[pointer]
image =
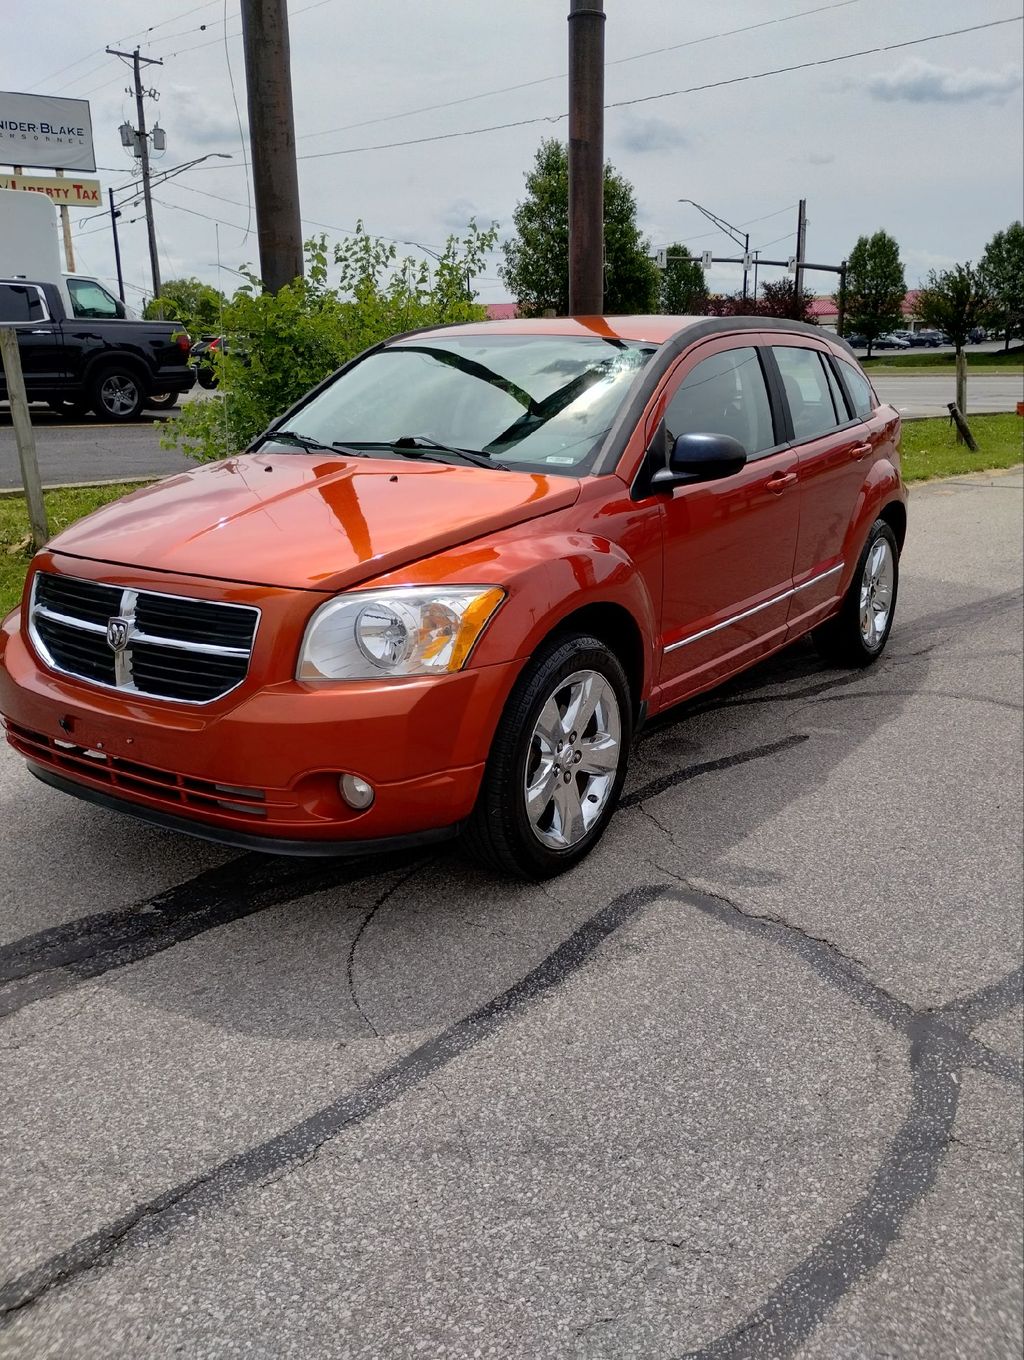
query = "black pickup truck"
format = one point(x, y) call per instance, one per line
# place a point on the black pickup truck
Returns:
point(116, 366)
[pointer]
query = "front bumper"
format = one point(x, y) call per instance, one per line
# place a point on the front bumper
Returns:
point(261, 768)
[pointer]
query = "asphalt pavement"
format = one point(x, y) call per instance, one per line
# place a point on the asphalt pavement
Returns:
point(746, 1083)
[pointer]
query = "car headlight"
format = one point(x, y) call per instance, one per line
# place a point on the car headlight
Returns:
point(406, 630)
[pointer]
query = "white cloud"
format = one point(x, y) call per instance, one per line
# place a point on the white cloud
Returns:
point(650, 134)
point(921, 82)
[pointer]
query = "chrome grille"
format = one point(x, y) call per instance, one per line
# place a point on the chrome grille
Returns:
point(140, 641)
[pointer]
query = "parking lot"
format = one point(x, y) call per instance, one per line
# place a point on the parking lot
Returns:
point(746, 1083)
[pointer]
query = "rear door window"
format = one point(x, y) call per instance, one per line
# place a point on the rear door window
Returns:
point(859, 389)
point(20, 302)
point(725, 394)
point(812, 407)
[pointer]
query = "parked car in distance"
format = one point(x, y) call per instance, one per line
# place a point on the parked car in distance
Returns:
point(445, 590)
point(891, 341)
point(115, 366)
point(202, 360)
point(925, 339)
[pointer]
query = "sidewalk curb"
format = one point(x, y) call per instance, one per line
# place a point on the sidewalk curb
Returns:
point(8, 491)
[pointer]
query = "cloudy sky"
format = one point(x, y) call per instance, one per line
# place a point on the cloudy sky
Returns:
point(925, 140)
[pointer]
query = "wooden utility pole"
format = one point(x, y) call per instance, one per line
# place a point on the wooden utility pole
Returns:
point(586, 157)
point(138, 62)
point(65, 226)
point(24, 435)
point(275, 174)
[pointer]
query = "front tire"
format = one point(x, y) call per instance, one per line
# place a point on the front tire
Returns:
point(116, 393)
point(858, 633)
point(162, 401)
point(557, 763)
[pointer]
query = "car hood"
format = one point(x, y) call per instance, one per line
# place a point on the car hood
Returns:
point(308, 522)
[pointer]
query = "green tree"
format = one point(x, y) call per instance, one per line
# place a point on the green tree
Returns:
point(778, 298)
point(955, 301)
point(536, 267)
point(684, 289)
point(1003, 267)
point(875, 287)
point(279, 345)
point(195, 304)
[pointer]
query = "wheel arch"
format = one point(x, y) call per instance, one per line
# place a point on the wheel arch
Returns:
point(119, 359)
point(615, 626)
point(895, 515)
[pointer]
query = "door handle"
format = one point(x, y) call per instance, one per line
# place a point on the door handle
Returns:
point(860, 451)
point(780, 481)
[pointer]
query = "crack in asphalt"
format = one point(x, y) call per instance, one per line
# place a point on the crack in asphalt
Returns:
point(41, 966)
point(284, 1151)
point(799, 1303)
point(669, 781)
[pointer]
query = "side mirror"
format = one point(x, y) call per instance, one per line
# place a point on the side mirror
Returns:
point(701, 458)
point(119, 309)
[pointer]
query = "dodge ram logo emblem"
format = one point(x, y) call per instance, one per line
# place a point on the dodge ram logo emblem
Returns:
point(117, 634)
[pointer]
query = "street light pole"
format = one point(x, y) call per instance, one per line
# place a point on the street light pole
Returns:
point(731, 231)
point(143, 143)
point(117, 244)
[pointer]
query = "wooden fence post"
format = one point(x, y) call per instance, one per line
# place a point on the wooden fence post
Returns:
point(961, 389)
point(24, 435)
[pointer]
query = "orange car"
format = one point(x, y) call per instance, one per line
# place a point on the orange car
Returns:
point(444, 591)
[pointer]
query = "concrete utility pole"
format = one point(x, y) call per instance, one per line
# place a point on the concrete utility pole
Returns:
point(142, 141)
point(801, 254)
point(272, 138)
point(586, 157)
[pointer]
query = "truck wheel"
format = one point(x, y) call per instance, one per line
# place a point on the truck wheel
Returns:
point(557, 763)
point(162, 401)
point(116, 393)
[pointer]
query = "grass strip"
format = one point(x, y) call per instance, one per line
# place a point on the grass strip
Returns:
point(998, 361)
point(63, 507)
point(930, 448)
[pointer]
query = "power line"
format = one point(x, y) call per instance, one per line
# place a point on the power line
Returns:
point(238, 117)
point(668, 94)
point(546, 80)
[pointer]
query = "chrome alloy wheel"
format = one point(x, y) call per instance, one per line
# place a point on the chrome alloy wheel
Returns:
point(876, 587)
point(118, 394)
point(573, 759)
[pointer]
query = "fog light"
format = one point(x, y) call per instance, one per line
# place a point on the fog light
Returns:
point(356, 792)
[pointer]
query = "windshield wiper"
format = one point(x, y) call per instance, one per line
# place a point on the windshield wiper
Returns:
point(416, 445)
point(299, 440)
point(312, 445)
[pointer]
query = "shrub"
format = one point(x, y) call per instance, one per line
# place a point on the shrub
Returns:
point(279, 345)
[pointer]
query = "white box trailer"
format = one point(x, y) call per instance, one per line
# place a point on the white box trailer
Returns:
point(30, 244)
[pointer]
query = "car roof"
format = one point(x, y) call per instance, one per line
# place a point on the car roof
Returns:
point(656, 330)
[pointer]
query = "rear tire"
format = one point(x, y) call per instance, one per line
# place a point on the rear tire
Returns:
point(557, 763)
point(207, 378)
point(163, 401)
point(116, 393)
point(857, 635)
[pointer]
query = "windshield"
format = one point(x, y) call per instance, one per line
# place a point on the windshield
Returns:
point(539, 402)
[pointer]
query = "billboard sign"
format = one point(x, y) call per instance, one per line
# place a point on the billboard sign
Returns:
point(73, 191)
point(51, 134)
